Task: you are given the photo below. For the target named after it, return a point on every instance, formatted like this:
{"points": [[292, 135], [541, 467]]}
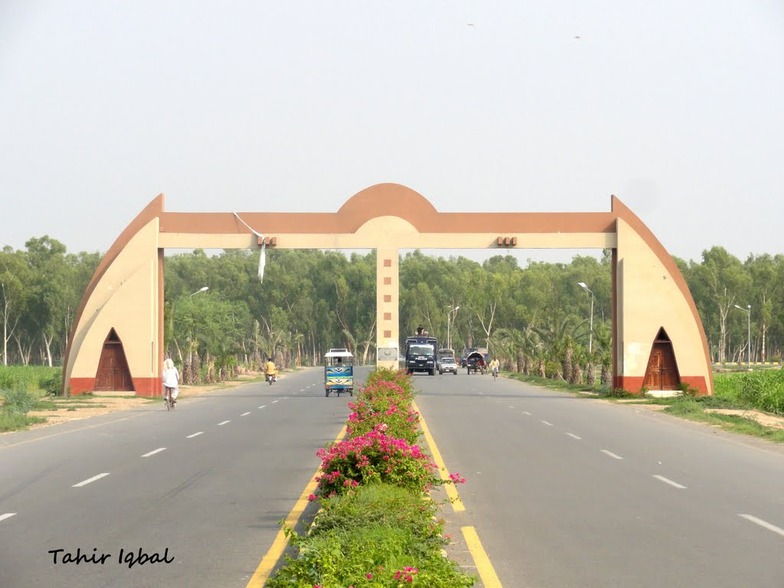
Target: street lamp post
{"points": [[747, 310], [448, 325], [590, 327], [189, 371], [172, 306]]}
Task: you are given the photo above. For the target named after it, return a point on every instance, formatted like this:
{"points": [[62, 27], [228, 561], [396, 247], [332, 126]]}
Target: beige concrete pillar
{"points": [[387, 317]]}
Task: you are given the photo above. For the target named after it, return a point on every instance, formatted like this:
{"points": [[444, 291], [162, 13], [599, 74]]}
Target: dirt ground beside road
{"points": [[82, 407], [763, 418]]}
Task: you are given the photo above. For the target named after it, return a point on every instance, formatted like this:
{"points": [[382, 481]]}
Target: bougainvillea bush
{"points": [[375, 529], [398, 377], [374, 458], [387, 404]]}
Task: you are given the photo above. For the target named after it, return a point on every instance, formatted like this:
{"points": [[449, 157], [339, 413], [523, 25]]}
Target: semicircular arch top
{"points": [[387, 199]]}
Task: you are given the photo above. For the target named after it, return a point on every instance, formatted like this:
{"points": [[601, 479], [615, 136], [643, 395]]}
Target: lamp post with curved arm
{"points": [[189, 375], [449, 320], [585, 287]]}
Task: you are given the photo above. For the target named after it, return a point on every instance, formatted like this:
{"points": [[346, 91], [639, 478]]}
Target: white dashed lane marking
{"points": [[611, 454], [195, 435], [224, 423], [245, 414], [7, 515], [670, 482], [573, 436], [154, 451], [549, 424], [763, 524], [90, 480]]}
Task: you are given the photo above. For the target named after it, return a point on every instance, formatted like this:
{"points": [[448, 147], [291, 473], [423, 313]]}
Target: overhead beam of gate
{"points": [[125, 295], [447, 231], [420, 226]]}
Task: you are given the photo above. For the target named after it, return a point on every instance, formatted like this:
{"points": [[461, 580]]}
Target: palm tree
{"points": [[603, 352], [557, 335], [523, 345]]}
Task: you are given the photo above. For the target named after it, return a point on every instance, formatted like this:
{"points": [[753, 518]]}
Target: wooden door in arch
{"points": [[662, 371], [113, 372]]}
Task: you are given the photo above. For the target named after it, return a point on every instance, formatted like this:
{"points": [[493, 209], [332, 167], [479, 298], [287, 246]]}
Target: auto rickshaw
{"points": [[339, 371], [475, 363]]}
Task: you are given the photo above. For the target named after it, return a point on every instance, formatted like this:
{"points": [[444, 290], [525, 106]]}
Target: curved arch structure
{"points": [[126, 291]]}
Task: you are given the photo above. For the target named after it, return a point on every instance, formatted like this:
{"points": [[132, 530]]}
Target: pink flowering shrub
{"points": [[383, 405], [371, 458], [399, 377], [374, 530]]}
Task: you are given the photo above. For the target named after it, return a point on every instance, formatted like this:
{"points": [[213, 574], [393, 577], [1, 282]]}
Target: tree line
{"points": [[218, 315]]}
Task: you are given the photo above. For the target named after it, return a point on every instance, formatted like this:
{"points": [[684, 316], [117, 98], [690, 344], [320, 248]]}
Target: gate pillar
{"points": [[387, 317], [651, 294]]}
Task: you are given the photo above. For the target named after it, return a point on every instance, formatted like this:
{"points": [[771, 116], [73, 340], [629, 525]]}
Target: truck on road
{"points": [[421, 353]]}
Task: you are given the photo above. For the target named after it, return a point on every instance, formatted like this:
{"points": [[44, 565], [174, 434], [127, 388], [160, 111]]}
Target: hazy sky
{"points": [[509, 105]]}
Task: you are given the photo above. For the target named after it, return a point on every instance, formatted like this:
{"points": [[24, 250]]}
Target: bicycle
{"points": [[495, 373], [168, 400]]}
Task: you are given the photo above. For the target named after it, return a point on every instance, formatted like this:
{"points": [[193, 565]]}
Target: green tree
{"points": [[721, 279], [765, 290], [14, 285], [49, 303]]}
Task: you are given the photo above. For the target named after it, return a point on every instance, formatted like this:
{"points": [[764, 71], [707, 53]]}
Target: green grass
{"points": [[64, 403], [694, 410], [16, 422], [31, 378], [762, 390], [16, 403]]}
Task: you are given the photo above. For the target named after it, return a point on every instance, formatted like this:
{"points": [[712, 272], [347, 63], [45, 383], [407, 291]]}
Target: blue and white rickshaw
{"points": [[339, 371]]}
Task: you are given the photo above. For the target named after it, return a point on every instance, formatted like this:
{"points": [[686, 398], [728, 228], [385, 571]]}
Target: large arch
{"points": [[126, 292]]}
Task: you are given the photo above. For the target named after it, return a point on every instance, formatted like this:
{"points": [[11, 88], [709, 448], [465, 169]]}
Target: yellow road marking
{"points": [[483, 565], [478, 554], [278, 546], [451, 491]]}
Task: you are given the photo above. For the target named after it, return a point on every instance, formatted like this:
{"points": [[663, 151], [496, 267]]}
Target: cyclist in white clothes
{"points": [[171, 380]]}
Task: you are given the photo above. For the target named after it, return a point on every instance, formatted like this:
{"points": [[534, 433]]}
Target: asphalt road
{"points": [[563, 492], [200, 491], [574, 492]]}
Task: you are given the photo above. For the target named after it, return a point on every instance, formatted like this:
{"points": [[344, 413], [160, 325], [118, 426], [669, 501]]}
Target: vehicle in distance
{"points": [[421, 353], [442, 353], [475, 363], [447, 364]]}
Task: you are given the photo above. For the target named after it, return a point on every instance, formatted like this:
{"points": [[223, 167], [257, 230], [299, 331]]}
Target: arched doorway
{"points": [[662, 370], [113, 372]]}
